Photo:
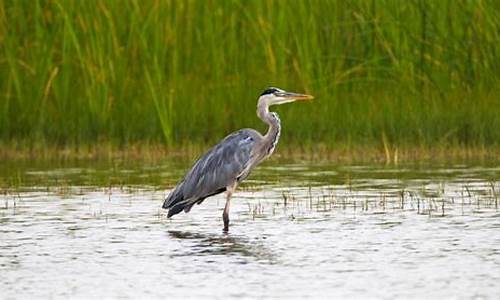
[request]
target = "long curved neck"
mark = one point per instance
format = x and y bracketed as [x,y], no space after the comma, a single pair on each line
[273,133]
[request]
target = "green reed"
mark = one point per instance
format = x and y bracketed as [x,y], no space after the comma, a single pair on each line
[418,72]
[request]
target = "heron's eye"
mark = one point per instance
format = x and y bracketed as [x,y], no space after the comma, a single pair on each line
[271,90]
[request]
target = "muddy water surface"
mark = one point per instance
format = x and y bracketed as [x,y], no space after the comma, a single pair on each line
[298,229]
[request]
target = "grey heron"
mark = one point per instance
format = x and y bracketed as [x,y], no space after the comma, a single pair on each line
[229,162]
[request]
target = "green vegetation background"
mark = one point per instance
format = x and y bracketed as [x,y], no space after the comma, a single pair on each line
[405,73]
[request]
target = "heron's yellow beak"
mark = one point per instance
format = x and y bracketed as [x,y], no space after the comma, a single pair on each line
[304,97]
[296,96]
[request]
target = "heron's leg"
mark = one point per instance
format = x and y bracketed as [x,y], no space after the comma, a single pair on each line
[225,214]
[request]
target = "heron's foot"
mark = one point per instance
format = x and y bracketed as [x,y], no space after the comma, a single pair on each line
[225,217]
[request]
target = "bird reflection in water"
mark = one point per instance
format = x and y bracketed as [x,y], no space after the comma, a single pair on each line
[201,244]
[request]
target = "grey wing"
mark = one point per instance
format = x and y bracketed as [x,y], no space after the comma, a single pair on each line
[213,172]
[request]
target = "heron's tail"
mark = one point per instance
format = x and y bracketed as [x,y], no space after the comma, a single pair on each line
[175,202]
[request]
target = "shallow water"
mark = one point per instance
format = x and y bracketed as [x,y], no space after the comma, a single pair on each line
[297,230]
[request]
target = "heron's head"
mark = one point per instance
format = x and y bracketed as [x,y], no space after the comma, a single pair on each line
[276,96]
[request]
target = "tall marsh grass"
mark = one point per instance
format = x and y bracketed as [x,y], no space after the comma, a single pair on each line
[417,72]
